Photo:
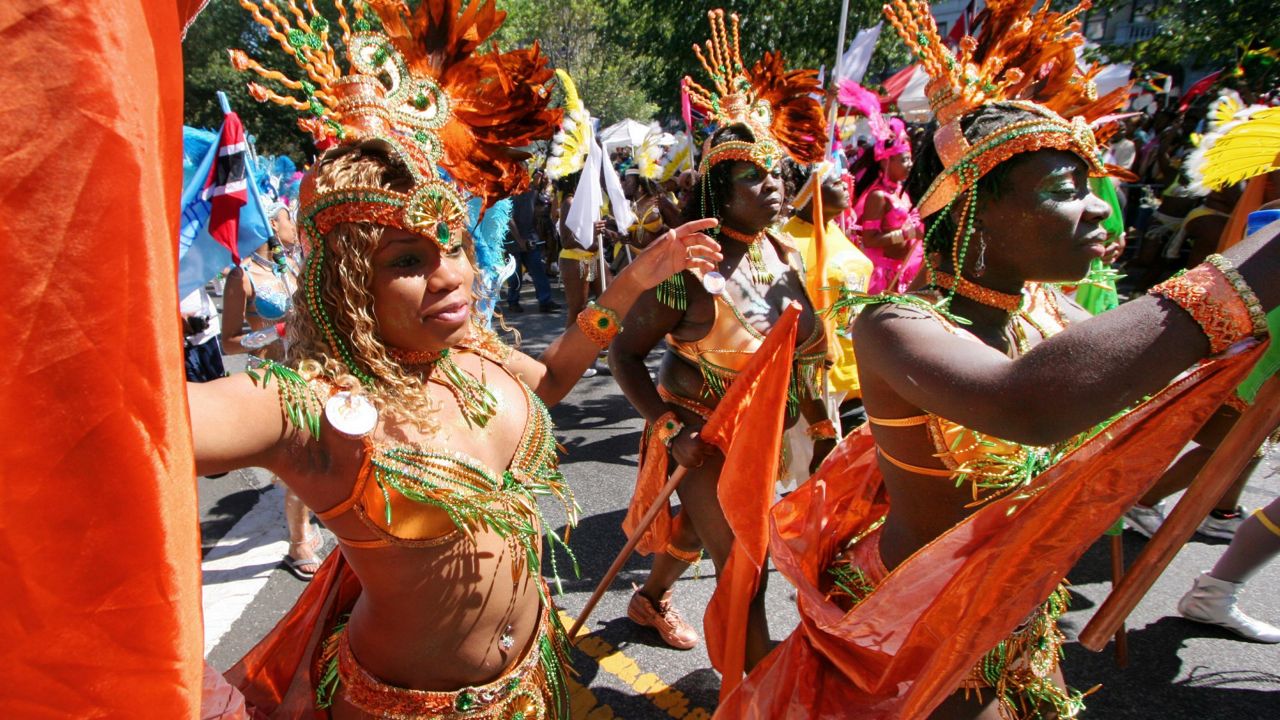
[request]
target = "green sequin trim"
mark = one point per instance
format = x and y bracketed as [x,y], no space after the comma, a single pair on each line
[672,293]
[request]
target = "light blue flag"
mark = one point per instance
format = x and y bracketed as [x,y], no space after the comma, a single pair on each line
[200,257]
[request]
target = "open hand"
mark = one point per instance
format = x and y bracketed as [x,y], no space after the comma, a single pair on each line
[684,248]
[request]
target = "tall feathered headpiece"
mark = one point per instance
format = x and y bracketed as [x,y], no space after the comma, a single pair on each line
[650,154]
[890,135]
[1242,142]
[418,89]
[570,146]
[779,106]
[418,85]
[1022,56]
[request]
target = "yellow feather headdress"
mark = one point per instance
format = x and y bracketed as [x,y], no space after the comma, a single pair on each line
[1241,143]
[571,144]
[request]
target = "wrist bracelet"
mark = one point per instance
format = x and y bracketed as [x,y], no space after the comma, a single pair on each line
[599,324]
[668,427]
[1209,297]
[822,430]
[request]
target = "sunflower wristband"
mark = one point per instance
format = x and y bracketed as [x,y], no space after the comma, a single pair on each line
[600,324]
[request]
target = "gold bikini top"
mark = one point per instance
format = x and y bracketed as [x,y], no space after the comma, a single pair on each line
[991,464]
[728,346]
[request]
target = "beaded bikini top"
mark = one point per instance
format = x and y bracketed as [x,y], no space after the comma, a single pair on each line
[402,488]
[993,466]
[728,346]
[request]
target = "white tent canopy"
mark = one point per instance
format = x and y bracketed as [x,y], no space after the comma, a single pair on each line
[912,102]
[628,133]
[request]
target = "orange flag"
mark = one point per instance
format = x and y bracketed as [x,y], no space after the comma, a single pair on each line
[99,542]
[747,426]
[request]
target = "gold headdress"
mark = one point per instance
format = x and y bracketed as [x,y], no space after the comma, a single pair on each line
[1020,57]
[570,146]
[417,88]
[778,106]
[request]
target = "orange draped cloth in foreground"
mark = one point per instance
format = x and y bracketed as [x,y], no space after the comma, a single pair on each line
[99,541]
[906,647]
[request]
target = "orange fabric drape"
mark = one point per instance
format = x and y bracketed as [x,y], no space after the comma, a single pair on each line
[276,676]
[906,647]
[99,541]
[651,476]
[747,426]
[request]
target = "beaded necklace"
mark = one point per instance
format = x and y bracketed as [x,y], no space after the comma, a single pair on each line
[983,296]
[760,272]
[474,398]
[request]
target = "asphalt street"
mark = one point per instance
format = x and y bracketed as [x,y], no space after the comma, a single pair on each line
[1177,669]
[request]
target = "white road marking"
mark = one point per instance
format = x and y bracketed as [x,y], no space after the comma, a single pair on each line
[238,567]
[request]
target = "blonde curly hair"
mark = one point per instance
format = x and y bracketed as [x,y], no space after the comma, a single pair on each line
[346,297]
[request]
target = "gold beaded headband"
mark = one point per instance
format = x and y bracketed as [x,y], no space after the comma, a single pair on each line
[434,209]
[763,153]
[965,164]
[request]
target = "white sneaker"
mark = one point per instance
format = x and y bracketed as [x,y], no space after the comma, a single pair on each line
[1145,520]
[1213,601]
[1223,527]
[590,372]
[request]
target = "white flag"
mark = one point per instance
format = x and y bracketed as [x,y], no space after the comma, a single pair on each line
[854,63]
[584,211]
[618,203]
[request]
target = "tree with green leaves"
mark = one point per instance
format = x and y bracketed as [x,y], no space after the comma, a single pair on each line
[223,24]
[626,56]
[1203,33]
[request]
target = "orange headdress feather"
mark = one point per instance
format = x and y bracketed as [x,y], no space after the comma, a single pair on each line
[419,82]
[778,105]
[1021,55]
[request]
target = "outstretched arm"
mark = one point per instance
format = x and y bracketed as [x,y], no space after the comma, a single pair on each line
[554,374]
[235,423]
[1065,384]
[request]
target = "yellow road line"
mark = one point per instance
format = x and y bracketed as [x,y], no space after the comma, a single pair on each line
[615,662]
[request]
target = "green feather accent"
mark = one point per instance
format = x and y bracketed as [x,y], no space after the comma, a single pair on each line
[327,685]
[300,403]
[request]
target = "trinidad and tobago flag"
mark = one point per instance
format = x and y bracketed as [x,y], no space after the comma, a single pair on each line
[226,186]
[222,214]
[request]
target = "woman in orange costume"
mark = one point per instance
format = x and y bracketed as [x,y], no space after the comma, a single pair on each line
[710,337]
[421,439]
[925,548]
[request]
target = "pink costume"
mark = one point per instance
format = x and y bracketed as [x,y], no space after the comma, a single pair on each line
[891,275]
[891,139]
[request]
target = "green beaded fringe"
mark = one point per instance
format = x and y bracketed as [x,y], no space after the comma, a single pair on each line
[671,292]
[301,405]
[476,401]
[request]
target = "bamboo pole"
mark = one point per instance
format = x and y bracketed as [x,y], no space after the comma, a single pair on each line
[659,504]
[1218,473]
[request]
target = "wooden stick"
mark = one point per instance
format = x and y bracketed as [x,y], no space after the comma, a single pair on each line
[659,504]
[1117,577]
[1218,473]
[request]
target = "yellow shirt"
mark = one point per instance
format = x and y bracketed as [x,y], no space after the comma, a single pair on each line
[846,267]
